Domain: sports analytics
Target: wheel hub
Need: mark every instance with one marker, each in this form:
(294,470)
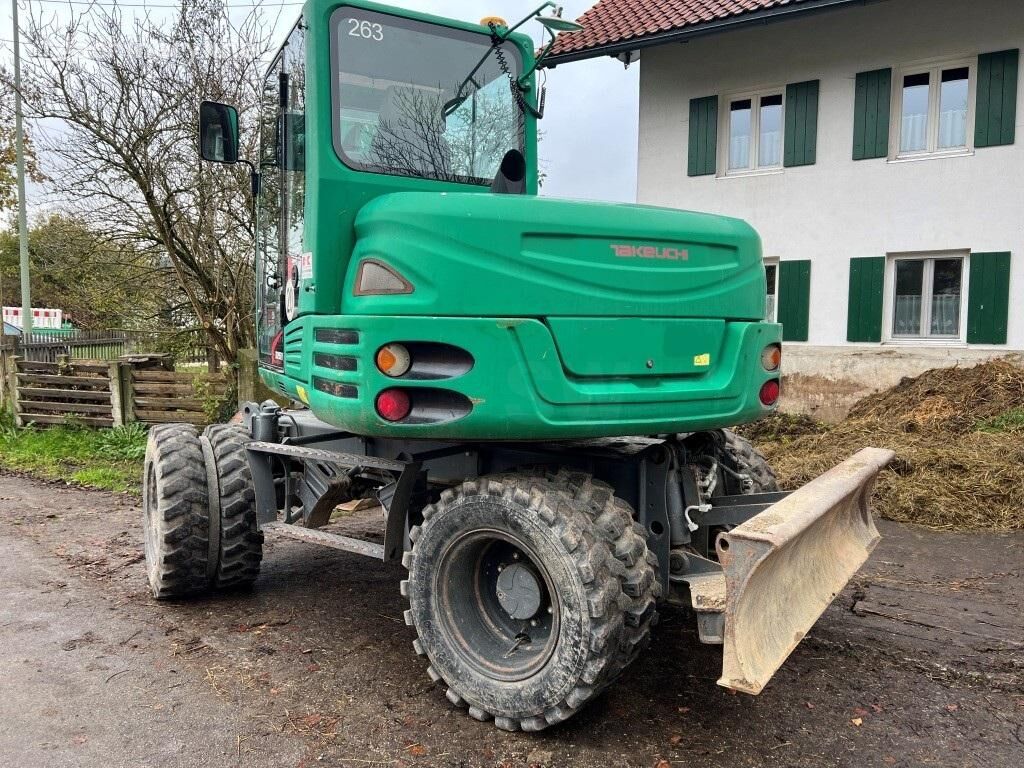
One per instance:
(519,592)
(496,604)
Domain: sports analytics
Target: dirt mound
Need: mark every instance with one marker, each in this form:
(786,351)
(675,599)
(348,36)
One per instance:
(959,438)
(955,399)
(781,426)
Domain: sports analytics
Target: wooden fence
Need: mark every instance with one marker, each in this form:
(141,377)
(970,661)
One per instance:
(110,394)
(51,346)
(161,396)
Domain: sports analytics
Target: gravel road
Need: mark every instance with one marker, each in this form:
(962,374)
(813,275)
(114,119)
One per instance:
(919,662)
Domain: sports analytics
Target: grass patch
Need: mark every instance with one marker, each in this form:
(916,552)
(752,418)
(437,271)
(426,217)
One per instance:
(1010,421)
(108,459)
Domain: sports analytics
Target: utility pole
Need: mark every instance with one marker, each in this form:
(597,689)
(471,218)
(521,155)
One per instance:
(19,143)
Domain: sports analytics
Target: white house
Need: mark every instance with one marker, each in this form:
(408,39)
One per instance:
(876,146)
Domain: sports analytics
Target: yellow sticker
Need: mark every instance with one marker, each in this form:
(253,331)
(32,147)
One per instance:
(302,394)
(702,361)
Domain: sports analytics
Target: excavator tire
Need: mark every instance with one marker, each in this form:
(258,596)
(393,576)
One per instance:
(749,461)
(526,602)
(637,567)
(176,513)
(240,546)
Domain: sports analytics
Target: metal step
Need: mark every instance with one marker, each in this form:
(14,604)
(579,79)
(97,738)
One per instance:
(707,597)
(325,539)
(337,458)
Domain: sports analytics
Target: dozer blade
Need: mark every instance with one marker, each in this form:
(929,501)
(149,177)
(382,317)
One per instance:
(784,566)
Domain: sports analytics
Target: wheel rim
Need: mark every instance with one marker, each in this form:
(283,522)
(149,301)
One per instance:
(504,627)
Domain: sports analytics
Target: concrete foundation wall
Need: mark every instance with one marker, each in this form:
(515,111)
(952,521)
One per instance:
(825,381)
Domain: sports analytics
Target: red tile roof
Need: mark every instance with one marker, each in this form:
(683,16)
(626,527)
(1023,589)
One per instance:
(611,22)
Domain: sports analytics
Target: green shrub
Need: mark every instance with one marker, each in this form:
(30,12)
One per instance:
(127,442)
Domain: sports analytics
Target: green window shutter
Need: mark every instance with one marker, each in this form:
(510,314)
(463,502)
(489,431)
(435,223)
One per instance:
(988,302)
(871,114)
(801,144)
(996,114)
(864,306)
(703,136)
(794,299)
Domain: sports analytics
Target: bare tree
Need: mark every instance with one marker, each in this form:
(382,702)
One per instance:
(126,93)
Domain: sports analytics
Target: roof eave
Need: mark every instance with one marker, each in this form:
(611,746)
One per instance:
(766,16)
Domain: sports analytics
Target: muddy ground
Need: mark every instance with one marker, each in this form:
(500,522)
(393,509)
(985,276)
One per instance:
(920,662)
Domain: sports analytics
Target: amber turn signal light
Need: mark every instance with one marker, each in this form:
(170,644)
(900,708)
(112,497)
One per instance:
(394,360)
(771,357)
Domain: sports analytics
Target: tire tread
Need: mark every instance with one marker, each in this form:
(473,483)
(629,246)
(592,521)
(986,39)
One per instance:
(751,462)
(241,542)
(182,516)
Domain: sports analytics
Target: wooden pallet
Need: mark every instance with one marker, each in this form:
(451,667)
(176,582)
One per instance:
(56,393)
(165,397)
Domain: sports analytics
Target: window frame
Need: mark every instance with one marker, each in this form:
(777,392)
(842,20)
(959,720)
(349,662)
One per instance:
(273,257)
(934,69)
(772,261)
(928,286)
(724,132)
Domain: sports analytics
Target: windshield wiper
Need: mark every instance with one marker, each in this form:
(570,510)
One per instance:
(452,105)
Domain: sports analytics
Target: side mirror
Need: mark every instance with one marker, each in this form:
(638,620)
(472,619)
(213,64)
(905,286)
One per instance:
(218,132)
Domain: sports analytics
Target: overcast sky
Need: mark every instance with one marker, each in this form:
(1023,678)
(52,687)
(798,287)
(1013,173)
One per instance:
(588,150)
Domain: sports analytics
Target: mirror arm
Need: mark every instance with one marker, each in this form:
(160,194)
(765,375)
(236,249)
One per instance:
(254,178)
(254,182)
(525,77)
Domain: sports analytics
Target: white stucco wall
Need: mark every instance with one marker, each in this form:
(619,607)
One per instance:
(838,209)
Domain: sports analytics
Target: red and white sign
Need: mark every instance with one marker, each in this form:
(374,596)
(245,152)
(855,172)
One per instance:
(306,266)
(41,318)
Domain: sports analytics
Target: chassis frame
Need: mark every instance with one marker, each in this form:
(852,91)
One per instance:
(303,468)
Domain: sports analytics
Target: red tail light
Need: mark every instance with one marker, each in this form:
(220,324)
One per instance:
(393,404)
(770,392)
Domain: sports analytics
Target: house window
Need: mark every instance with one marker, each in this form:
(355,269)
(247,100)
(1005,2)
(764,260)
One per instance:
(935,113)
(927,297)
(771,273)
(755,132)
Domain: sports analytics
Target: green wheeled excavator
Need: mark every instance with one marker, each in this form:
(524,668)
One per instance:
(536,391)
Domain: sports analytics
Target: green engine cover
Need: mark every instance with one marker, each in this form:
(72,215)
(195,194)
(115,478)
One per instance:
(524,256)
(576,320)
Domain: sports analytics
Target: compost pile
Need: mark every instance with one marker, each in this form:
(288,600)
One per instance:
(959,438)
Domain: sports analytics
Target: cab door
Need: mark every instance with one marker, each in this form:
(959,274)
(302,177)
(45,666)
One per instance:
(280,266)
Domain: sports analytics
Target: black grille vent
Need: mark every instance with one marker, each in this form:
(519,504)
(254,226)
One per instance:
(335,388)
(335,362)
(336,336)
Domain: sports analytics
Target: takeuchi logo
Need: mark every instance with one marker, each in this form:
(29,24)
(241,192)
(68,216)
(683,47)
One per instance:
(650,252)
